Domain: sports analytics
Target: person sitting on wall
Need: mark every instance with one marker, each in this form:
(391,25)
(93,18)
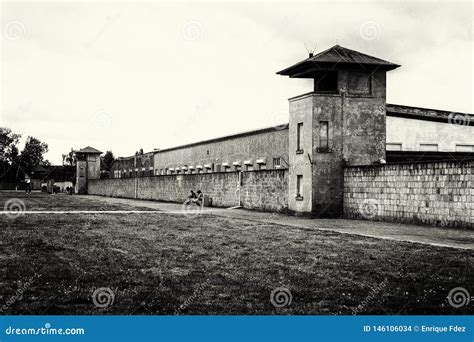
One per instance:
(192,196)
(199,199)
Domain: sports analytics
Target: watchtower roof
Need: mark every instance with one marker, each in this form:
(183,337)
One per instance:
(336,56)
(89,150)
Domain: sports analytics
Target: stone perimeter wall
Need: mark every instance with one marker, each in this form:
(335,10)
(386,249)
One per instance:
(262,190)
(435,193)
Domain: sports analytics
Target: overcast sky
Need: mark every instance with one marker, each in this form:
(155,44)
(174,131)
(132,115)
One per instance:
(125,76)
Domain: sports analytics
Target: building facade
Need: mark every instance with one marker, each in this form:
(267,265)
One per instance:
(87,168)
(344,121)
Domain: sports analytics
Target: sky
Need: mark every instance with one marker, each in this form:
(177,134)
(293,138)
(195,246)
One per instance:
(128,75)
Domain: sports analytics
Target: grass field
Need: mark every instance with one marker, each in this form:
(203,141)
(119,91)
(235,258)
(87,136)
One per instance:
(157,263)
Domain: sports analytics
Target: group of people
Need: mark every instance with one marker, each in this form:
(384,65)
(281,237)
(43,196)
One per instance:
(53,190)
(195,197)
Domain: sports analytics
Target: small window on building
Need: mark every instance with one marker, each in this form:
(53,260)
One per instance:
(299,137)
(428,147)
(393,146)
(359,83)
(262,166)
(464,148)
(325,82)
(249,167)
(324,135)
(276,162)
(237,168)
(299,187)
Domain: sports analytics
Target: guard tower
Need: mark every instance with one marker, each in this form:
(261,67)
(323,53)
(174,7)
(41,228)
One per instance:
(341,122)
(87,167)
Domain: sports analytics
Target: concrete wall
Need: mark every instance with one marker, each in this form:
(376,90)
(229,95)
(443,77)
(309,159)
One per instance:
(301,111)
(264,144)
(410,134)
(439,193)
(221,187)
(117,187)
(263,190)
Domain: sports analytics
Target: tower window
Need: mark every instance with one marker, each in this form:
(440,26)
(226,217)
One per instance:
(324,135)
(359,83)
(326,82)
(299,187)
(276,163)
(299,136)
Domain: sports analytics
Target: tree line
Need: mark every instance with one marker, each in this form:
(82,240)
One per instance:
(15,165)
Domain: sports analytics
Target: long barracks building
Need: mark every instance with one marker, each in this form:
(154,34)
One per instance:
(344,121)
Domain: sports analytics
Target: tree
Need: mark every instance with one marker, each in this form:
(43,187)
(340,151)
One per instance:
(69,165)
(33,154)
(9,140)
(107,161)
(9,155)
(69,159)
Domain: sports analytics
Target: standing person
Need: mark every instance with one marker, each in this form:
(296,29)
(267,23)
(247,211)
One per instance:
(28,185)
